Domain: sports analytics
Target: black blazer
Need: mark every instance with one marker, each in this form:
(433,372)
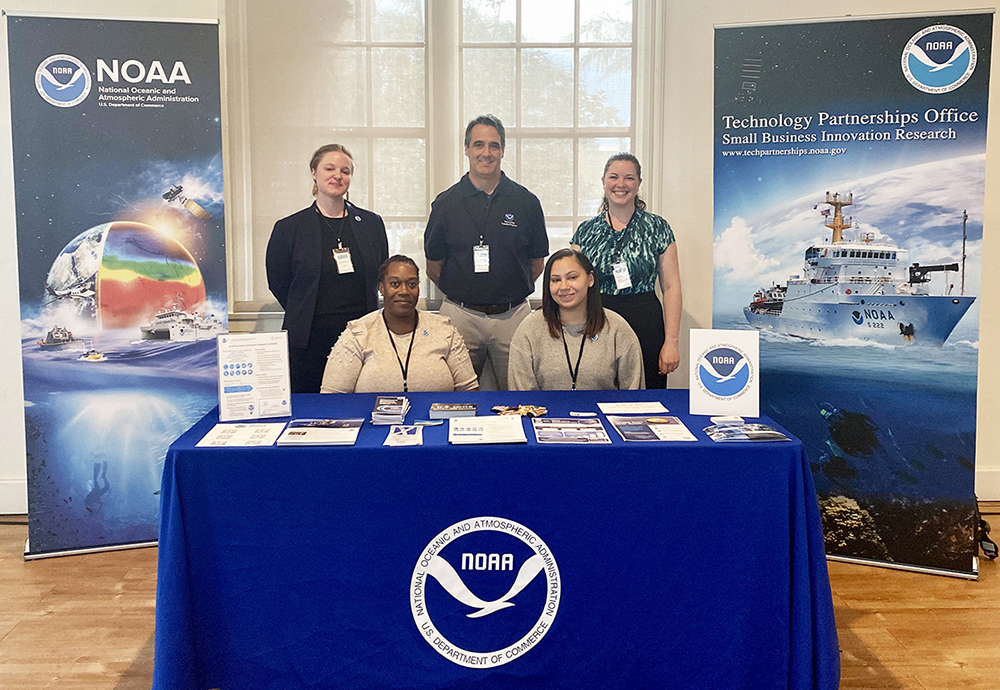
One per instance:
(293,264)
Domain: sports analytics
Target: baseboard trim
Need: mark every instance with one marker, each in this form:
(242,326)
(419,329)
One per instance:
(988,483)
(13,496)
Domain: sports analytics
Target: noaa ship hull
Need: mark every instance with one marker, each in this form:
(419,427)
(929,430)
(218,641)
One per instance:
(182,333)
(175,324)
(901,319)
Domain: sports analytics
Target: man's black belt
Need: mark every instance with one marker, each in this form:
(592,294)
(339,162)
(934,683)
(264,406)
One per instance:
(489,309)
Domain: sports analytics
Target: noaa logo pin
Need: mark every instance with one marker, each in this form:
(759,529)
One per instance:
(939,59)
(724,372)
(485,591)
(62,81)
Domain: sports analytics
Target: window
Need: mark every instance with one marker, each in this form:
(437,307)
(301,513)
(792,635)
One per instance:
(364,73)
(559,75)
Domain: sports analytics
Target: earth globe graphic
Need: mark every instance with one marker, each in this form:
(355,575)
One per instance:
(123,273)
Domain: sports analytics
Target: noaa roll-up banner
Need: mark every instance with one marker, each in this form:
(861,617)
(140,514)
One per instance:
(849,189)
(121,260)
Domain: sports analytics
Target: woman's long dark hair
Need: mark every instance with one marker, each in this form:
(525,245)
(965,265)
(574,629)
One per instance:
(595,309)
(640,205)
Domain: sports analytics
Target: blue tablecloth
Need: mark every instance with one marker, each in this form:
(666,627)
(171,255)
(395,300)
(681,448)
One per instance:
(687,565)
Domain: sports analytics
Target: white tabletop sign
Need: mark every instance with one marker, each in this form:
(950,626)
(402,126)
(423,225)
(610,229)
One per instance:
(253,376)
(725,372)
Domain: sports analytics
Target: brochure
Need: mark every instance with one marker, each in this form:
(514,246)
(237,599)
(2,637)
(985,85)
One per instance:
(403,435)
(321,432)
(651,428)
(242,434)
(724,433)
(555,430)
(499,429)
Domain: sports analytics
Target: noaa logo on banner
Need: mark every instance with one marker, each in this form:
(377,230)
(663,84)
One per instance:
(724,372)
(63,81)
(485,591)
(939,59)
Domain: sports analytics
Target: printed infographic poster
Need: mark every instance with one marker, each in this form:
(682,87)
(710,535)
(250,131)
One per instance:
(849,189)
(121,259)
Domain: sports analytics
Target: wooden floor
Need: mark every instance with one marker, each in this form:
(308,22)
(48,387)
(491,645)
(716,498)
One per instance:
(86,622)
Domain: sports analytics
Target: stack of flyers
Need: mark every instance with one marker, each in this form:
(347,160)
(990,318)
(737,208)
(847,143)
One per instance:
(390,409)
(449,410)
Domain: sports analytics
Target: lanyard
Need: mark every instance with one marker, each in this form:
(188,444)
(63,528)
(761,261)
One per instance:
(480,214)
(619,235)
(573,372)
(328,223)
(392,341)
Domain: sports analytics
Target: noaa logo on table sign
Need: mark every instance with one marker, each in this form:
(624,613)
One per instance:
(939,59)
(724,372)
(484,592)
(62,80)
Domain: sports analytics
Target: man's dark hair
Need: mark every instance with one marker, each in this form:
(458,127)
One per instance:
(489,120)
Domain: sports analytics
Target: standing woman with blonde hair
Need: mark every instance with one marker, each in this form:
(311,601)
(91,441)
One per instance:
(322,266)
(632,251)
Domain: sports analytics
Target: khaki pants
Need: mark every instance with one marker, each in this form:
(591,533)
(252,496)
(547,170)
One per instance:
(487,336)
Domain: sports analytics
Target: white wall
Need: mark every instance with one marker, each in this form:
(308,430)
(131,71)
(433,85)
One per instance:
(13,481)
(687,144)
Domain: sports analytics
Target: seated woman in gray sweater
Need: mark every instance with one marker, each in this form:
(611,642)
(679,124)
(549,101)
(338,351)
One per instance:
(572,342)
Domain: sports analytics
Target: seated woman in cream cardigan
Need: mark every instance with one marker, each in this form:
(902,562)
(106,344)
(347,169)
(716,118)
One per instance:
(397,348)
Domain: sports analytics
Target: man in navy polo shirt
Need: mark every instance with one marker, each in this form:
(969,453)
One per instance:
(485,245)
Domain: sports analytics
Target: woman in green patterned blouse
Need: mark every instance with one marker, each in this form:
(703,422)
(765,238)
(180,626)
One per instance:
(632,250)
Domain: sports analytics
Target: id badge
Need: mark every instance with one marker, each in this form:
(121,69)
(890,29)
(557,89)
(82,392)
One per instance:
(481,258)
(622,279)
(343,258)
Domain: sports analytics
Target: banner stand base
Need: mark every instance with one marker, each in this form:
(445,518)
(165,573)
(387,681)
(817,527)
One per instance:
(78,552)
(974,575)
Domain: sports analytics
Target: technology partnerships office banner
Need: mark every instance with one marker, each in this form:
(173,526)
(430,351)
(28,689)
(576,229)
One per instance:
(847,152)
(120,226)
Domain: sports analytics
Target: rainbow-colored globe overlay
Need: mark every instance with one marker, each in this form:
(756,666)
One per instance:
(122,273)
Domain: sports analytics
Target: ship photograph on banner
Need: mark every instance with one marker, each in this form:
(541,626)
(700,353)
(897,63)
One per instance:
(849,189)
(121,260)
